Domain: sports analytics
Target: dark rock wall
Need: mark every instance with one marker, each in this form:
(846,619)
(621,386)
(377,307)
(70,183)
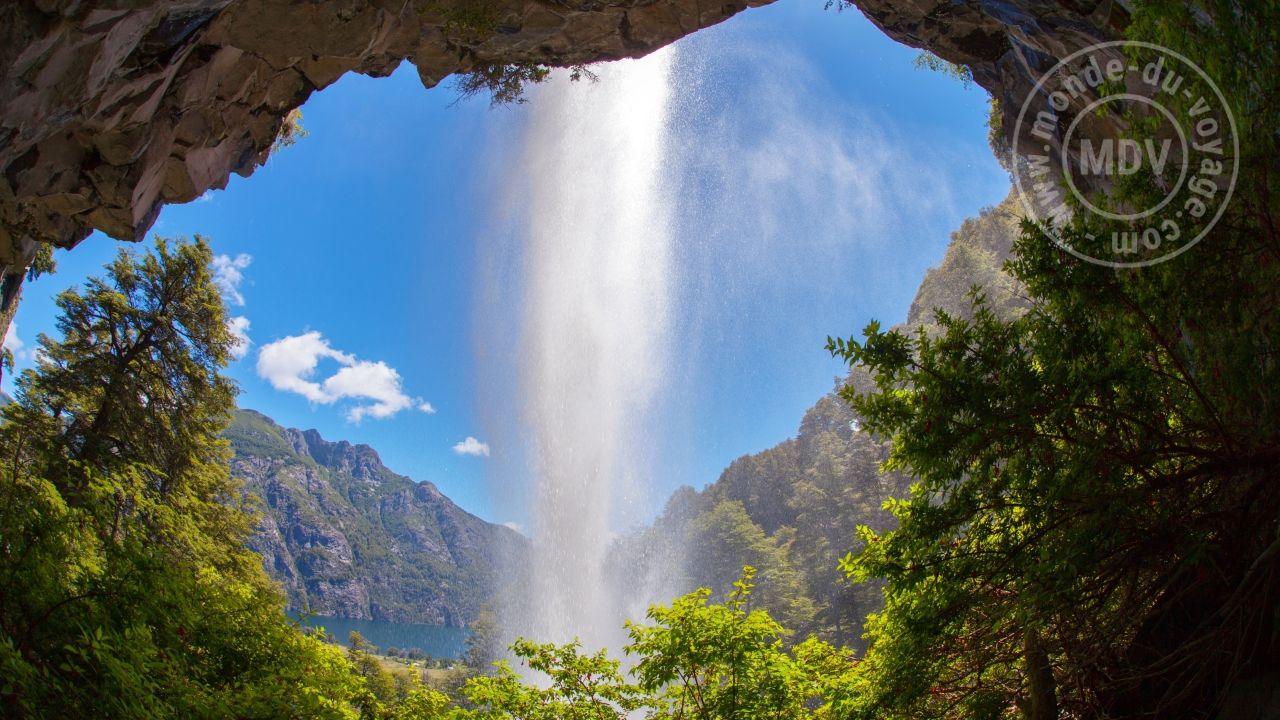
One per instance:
(109,110)
(1008,44)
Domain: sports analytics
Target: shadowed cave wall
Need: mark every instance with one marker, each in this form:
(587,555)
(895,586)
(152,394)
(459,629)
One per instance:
(109,110)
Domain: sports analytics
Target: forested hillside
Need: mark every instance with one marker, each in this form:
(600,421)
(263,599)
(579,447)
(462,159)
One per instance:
(346,536)
(791,510)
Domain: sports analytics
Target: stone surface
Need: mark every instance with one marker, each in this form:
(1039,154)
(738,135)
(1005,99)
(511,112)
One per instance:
(110,109)
(345,536)
(1009,45)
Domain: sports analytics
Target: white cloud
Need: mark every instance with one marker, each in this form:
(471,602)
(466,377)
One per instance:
(239,328)
(205,197)
(513,525)
(286,363)
(227,276)
(12,342)
(472,446)
(290,364)
(374,380)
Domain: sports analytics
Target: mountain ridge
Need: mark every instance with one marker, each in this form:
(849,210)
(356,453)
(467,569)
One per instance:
(344,535)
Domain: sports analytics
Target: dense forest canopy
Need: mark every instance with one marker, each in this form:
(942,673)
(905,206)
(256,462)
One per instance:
(1067,495)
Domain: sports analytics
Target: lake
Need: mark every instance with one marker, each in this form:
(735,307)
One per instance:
(438,641)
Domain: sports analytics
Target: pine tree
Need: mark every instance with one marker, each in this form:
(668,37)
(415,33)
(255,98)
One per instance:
(126,587)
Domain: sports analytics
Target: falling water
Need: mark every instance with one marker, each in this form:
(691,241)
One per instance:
(716,184)
(596,252)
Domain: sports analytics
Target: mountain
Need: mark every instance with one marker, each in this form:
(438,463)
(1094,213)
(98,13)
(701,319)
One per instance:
(346,536)
(791,510)
(974,257)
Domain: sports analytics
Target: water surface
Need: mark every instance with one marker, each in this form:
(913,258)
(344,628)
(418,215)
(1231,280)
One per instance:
(438,641)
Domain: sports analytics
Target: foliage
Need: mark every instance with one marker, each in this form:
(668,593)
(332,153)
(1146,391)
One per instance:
(379,682)
(928,61)
(727,539)
(469,22)
(1091,532)
(974,257)
(358,644)
(804,497)
(389,690)
(787,511)
(483,645)
(578,687)
(420,703)
(127,589)
(43,262)
(696,661)
(505,83)
(291,131)
(1093,529)
(997,139)
(705,661)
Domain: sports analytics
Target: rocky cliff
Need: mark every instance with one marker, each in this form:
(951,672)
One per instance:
(1007,44)
(109,110)
(346,536)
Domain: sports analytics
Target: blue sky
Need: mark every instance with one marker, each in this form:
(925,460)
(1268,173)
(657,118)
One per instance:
(819,172)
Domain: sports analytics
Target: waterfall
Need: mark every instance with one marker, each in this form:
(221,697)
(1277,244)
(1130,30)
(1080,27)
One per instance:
(593,230)
(714,177)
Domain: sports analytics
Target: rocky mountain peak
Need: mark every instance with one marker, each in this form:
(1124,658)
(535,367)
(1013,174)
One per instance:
(360,461)
(347,536)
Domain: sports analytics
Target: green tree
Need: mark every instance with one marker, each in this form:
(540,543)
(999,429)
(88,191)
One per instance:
(506,83)
(357,643)
(928,61)
(483,646)
(1093,529)
(695,660)
(726,538)
(380,683)
(707,662)
(578,687)
(421,703)
(841,484)
(127,588)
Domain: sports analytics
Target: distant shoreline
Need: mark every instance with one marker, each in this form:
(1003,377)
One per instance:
(437,641)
